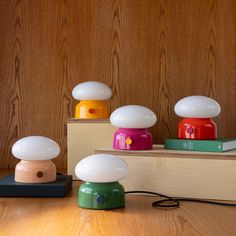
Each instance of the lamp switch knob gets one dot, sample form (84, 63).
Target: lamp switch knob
(128, 141)
(91, 110)
(39, 174)
(190, 130)
(100, 199)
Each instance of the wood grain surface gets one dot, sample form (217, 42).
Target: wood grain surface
(149, 52)
(62, 216)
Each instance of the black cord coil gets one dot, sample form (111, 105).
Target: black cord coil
(174, 202)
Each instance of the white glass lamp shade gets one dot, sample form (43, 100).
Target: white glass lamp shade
(91, 90)
(35, 148)
(101, 168)
(133, 116)
(197, 107)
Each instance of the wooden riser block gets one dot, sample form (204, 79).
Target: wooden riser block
(180, 173)
(84, 137)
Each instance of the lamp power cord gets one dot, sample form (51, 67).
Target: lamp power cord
(174, 202)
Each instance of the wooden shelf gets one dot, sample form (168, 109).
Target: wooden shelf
(74, 120)
(176, 173)
(84, 137)
(180, 173)
(159, 151)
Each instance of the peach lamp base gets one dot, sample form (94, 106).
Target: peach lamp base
(35, 171)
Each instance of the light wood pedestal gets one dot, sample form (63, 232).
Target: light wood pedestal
(84, 137)
(180, 173)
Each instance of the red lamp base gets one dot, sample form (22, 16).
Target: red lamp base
(197, 128)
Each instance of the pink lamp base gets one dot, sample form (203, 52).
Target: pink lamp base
(132, 139)
(35, 172)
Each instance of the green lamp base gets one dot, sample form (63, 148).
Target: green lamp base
(101, 195)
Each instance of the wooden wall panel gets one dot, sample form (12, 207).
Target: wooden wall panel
(149, 52)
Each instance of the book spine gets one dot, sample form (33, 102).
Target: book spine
(193, 145)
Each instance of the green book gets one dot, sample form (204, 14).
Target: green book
(216, 145)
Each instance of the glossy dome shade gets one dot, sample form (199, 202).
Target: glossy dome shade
(101, 168)
(36, 148)
(197, 107)
(91, 90)
(133, 116)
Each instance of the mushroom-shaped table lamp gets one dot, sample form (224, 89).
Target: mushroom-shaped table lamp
(101, 189)
(92, 96)
(35, 153)
(197, 112)
(133, 121)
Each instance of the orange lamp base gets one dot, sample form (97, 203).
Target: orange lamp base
(94, 109)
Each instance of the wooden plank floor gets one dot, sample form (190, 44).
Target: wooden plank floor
(62, 216)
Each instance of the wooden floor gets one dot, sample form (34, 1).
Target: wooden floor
(62, 216)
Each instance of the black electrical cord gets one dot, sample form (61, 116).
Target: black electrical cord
(174, 202)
